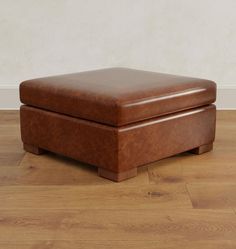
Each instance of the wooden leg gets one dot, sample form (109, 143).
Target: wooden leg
(202, 149)
(33, 149)
(117, 176)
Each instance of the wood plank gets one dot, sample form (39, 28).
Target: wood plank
(212, 195)
(210, 172)
(142, 225)
(79, 175)
(9, 131)
(108, 196)
(10, 159)
(167, 171)
(10, 144)
(9, 117)
(51, 169)
(216, 166)
(226, 115)
(114, 244)
(11, 151)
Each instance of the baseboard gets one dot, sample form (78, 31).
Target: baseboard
(9, 98)
(226, 98)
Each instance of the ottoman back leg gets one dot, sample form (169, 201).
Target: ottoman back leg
(33, 149)
(202, 149)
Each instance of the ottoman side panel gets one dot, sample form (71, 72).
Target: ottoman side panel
(83, 140)
(146, 142)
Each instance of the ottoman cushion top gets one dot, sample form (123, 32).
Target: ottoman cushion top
(117, 96)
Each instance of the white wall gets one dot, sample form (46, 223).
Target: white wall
(186, 37)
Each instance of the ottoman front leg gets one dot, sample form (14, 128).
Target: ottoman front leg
(117, 176)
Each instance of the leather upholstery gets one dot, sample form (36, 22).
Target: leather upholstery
(117, 96)
(118, 149)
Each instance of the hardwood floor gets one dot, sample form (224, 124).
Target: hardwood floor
(51, 202)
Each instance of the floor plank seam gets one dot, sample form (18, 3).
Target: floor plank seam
(19, 163)
(234, 210)
(189, 195)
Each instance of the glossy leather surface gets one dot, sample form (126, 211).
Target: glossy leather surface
(117, 96)
(118, 149)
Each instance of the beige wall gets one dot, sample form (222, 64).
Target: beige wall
(188, 37)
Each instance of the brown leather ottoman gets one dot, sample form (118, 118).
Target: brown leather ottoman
(118, 119)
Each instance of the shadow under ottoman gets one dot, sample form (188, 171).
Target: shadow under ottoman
(117, 119)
